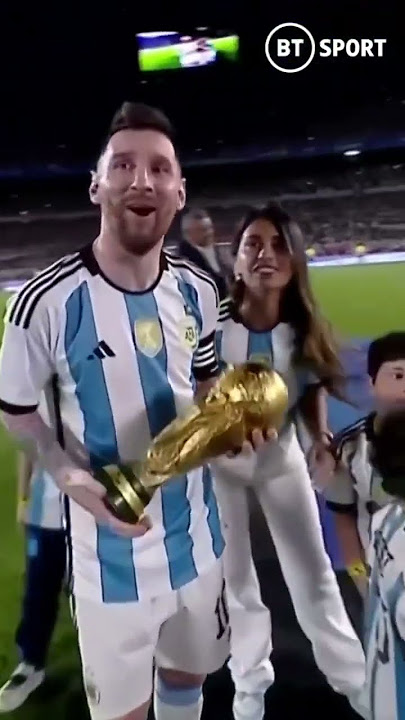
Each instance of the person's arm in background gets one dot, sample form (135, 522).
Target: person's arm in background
(24, 476)
(26, 368)
(313, 411)
(314, 408)
(341, 498)
(336, 483)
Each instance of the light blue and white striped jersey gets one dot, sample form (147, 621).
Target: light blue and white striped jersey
(45, 506)
(236, 344)
(121, 366)
(385, 616)
(356, 487)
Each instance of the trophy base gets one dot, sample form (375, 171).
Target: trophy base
(126, 497)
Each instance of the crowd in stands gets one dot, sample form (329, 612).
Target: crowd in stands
(337, 211)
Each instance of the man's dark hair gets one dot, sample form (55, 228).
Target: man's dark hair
(138, 116)
(387, 348)
(194, 214)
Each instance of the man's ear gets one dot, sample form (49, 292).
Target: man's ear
(93, 189)
(182, 196)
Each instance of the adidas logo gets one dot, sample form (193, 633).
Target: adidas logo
(101, 351)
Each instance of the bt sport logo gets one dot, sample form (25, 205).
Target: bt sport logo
(290, 47)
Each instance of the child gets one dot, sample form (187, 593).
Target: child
(39, 509)
(385, 608)
(356, 492)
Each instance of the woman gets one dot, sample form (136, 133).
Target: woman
(272, 314)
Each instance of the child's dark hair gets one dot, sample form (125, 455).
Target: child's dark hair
(316, 346)
(387, 348)
(388, 452)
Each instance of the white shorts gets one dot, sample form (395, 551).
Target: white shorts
(186, 630)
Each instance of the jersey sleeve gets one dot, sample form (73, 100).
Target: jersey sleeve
(205, 361)
(25, 357)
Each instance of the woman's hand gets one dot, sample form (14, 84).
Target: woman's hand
(258, 440)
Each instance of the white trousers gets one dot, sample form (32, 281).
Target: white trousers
(291, 511)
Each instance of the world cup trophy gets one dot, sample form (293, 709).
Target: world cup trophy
(245, 398)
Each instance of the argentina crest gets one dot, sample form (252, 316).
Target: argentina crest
(189, 332)
(148, 337)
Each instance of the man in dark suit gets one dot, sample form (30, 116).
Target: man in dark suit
(198, 245)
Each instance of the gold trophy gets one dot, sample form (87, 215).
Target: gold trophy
(245, 398)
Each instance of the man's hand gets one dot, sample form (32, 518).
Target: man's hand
(89, 493)
(258, 440)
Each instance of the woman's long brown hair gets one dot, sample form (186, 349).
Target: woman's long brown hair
(316, 346)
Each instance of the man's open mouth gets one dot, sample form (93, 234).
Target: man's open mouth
(141, 211)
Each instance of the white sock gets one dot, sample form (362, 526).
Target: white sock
(172, 703)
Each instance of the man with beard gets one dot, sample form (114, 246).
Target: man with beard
(117, 336)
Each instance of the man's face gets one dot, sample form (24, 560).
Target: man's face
(389, 384)
(200, 231)
(139, 188)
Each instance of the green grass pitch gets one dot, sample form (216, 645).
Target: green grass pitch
(168, 58)
(361, 301)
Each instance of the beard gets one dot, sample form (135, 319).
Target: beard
(138, 238)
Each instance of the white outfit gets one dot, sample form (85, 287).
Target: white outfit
(124, 365)
(281, 482)
(184, 630)
(385, 616)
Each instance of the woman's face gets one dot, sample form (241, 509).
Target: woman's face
(263, 260)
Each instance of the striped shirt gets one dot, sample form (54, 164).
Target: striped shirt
(117, 367)
(236, 344)
(385, 616)
(356, 487)
(45, 506)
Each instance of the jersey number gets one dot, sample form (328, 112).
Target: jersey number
(222, 613)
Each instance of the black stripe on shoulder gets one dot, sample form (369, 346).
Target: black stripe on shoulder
(225, 309)
(27, 299)
(348, 434)
(180, 263)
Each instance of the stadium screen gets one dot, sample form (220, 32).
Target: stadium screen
(159, 51)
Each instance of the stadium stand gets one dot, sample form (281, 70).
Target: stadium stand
(337, 211)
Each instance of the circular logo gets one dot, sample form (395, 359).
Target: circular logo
(295, 45)
(189, 332)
